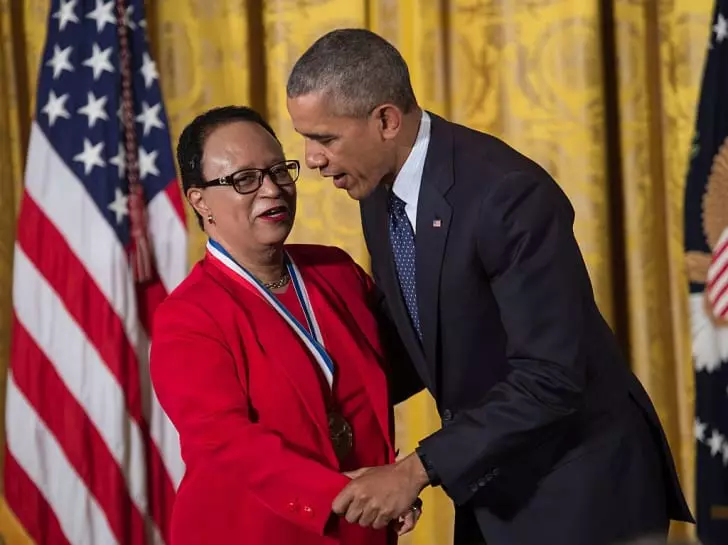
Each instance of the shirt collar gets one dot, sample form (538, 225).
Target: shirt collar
(407, 183)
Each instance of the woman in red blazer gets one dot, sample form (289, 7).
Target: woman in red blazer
(267, 357)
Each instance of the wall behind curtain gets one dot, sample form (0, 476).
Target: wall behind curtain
(601, 93)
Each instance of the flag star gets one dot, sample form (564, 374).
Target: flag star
(56, 107)
(65, 13)
(94, 109)
(147, 163)
(102, 14)
(119, 160)
(99, 61)
(150, 117)
(120, 205)
(60, 61)
(721, 28)
(127, 18)
(90, 156)
(148, 70)
(715, 443)
(699, 430)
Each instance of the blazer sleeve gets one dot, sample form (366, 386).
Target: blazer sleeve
(195, 379)
(540, 282)
(404, 382)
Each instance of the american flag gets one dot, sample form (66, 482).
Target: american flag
(91, 457)
(706, 246)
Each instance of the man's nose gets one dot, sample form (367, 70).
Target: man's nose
(315, 159)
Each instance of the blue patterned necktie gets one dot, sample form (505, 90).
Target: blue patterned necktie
(402, 238)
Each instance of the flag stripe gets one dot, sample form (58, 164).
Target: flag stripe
(77, 436)
(169, 232)
(82, 370)
(39, 455)
(30, 507)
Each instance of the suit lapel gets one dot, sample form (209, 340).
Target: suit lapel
(433, 224)
(375, 208)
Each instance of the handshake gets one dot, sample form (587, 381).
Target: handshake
(378, 496)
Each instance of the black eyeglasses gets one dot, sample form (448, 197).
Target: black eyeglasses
(249, 180)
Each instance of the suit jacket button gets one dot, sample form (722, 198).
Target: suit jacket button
(446, 415)
(308, 511)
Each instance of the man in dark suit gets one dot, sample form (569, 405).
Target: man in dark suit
(547, 437)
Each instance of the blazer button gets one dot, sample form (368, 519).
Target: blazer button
(308, 511)
(446, 415)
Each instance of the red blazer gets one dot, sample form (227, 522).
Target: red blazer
(243, 393)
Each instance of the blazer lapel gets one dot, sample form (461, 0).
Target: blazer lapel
(433, 224)
(376, 209)
(296, 364)
(339, 321)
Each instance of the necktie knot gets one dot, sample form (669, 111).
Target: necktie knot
(397, 206)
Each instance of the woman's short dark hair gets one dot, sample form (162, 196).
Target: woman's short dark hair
(191, 142)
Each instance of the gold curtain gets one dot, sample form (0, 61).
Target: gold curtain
(601, 93)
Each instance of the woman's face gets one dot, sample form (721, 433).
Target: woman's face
(256, 220)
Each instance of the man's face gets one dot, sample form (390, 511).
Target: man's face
(352, 151)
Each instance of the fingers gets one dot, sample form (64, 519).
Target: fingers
(342, 502)
(357, 472)
(406, 523)
(382, 520)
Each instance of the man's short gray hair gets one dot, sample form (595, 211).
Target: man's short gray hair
(357, 69)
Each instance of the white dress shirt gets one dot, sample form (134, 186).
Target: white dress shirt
(407, 183)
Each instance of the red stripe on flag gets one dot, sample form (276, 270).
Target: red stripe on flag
(161, 492)
(175, 197)
(83, 445)
(30, 507)
(717, 276)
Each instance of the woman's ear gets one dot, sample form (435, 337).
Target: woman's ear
(197, 201)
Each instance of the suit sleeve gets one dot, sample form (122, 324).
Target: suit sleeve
(195, 379)
(404, 382)
(527, 247)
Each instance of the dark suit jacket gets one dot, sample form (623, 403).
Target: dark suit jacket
(547, 435)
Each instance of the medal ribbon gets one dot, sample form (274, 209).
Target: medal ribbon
(314, 341)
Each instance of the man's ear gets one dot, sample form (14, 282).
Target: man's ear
(389, 119)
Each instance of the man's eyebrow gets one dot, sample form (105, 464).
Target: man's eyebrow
(317, 136)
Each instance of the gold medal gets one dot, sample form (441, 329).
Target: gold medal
(342, 438)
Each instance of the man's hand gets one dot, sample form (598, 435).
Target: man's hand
(381, 494)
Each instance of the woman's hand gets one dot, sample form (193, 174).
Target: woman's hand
(407, 522)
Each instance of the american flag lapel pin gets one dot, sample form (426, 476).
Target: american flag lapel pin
(437, 223)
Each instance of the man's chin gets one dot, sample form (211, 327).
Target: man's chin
(359, 192)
